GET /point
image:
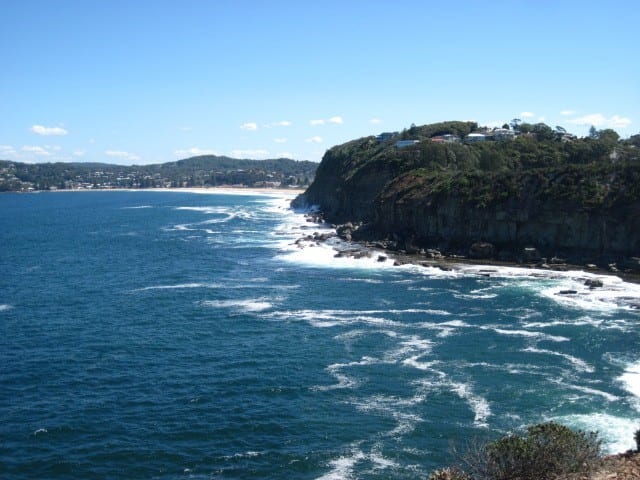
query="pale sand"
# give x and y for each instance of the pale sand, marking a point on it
(232, 190)
(206, 190)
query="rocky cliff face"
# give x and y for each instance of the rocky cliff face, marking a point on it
(344, 191)
(556, 227)
(577, 211)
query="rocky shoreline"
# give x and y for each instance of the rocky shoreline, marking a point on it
(622, 466)
(353, 245)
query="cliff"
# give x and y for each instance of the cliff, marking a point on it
(577, 198)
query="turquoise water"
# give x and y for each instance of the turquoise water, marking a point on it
(184, 335)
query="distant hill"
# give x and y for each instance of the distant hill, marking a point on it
(450, 185)
(206, 170)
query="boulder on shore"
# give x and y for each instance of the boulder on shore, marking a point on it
(593, 283)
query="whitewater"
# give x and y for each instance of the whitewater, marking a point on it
(190, 335)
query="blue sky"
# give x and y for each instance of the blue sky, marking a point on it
(151, 81)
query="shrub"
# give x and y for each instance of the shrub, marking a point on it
(448, 473)
(636, 436)
(546, 451)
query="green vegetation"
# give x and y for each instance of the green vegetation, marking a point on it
(540, 147)
(580, 170)
(546, 451)
(590, 186)
(199, 171)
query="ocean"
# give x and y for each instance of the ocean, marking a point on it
(169, 334)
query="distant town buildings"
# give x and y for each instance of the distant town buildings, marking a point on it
(19, 177)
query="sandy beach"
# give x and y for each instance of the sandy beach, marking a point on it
(203, 190)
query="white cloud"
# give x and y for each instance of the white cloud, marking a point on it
(79, 153)
(599, 120)
(7, 150)
(541, 119)
(619, 122)
(257, 153)
(315, 139)
(121, 154)
(280, 140)
(282, 123)
(194, 152)
(527, 114)
(36, 150)
(185, 129)
(336, 120)
(566, 113)
(48, 131)
(375, 121)
(284, 155)
(249, 126)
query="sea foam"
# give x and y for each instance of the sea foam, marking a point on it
(579, 364)
(616, 432)
(630, 379)
(248, 306)
(526, 334)
(179, 286)
(343, 467)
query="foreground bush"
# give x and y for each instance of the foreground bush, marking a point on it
(545, 452)
(449, 473)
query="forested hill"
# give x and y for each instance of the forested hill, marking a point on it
(206, 170)
(451, 185)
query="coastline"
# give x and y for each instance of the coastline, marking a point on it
(221, 190)
(447, 262)
(565, 267)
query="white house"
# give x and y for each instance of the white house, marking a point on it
(406, 143)
(475, 137)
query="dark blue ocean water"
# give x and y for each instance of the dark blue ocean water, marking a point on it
(181, 335)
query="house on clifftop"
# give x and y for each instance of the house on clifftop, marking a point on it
(406, 143)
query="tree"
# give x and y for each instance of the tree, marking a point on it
(505, 126)
(609, 136)
(525, 127)
(593, 133)
(515, 123)
(543, 131)
(634, 140)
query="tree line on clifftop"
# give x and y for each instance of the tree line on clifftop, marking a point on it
(536, 146)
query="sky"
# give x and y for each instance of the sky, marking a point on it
(153, 81)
